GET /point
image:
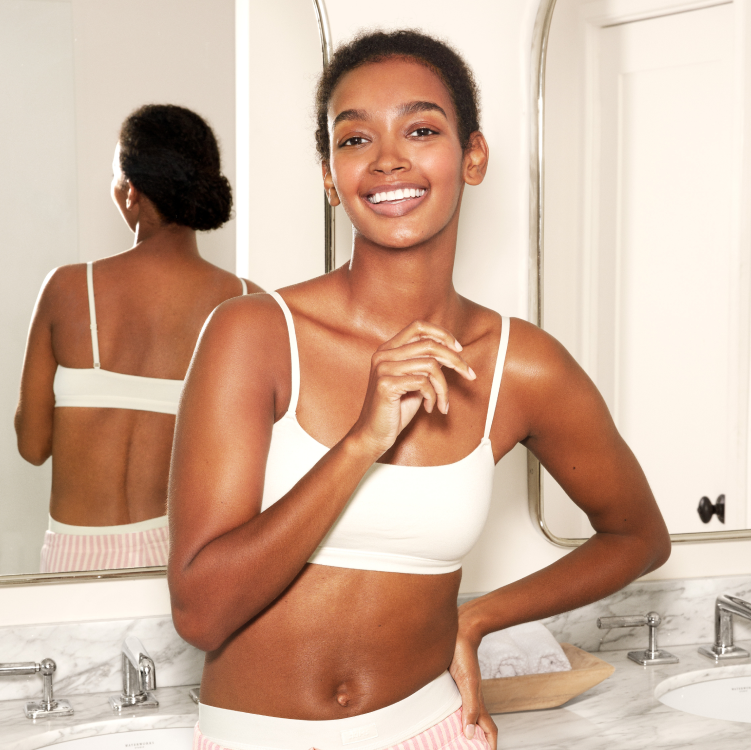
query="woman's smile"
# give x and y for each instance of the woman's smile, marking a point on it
(397, 199)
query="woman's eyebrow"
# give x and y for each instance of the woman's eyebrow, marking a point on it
(409, 108)
(412, 108)
(351, 114)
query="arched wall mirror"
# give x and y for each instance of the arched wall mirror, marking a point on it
(73, 70)
(641, 249)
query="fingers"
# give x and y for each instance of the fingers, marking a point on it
(425, 348)
(435, 389)
(422, 330)
(396, 386)
(486, 723)
(470, 714)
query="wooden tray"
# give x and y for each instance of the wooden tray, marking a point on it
(533, 691)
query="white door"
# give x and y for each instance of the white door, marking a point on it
(663, 261)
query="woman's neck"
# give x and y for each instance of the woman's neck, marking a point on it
(166, 239)
(394, 287)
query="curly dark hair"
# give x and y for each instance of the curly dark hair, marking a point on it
(170, 154)
(376, 46)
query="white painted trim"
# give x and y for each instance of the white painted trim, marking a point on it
(242, 137)
(602, 13)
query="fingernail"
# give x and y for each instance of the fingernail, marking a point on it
(447, 408)
(458, 346)
(469, 731)
(472, 373)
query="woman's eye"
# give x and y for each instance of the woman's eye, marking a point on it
(355, 140)
(422, 132)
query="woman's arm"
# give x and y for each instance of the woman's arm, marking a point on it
(36, 403)
(560, 416)
(229, 560)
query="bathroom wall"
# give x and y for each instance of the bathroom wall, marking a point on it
(492, 268)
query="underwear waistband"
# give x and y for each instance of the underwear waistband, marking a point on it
(125, 528)
(237, 730)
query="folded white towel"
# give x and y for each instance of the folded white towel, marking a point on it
(523, 649)
(499, 656)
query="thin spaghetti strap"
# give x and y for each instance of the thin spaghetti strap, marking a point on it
(92, 314)
(295, 357)
(245, 287)
(498, 374)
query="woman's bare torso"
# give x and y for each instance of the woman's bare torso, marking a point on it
(341, 642)
(111, 466)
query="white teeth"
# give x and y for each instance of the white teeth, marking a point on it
(396, 195)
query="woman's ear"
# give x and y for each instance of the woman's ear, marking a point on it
(132, 197)
(328, 185)
(476, 159)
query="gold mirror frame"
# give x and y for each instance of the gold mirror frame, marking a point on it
(535, 471)
(26, 579)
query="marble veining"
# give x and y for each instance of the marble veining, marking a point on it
(686, 607)
(621, 713)
(93, 717)
(88, 655)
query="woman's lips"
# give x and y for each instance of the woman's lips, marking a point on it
(396, 206)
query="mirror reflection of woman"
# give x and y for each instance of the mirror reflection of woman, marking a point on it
(323, 493)
(110, 343)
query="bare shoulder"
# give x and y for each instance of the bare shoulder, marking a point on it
(253, 320)
(534, 355)
(244, 346)
(63, 288)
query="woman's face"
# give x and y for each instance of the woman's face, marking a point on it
(396, 161)
(119, 190)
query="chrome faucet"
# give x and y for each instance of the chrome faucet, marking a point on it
(651, 655)
(725, 607)
(139, 676)
(48, 706)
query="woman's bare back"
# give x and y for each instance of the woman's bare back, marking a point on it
(111, 465)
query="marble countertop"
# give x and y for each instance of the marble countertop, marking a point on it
(622, 713)
(618, 714)
(93, 716)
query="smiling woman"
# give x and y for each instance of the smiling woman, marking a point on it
(323, 494)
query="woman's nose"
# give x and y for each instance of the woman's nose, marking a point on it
(390, 158)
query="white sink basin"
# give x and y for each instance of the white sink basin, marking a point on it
(719, 693)
(176, 738)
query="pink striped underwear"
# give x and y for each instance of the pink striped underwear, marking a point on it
(133, 545)
(429, 719)
(446, 735)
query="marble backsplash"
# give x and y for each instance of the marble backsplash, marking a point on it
(88, 653)
(685, 605)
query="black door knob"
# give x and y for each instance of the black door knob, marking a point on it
(706, 509)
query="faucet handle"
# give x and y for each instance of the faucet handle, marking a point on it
(139, 677)
(628, 621)
(651, 655)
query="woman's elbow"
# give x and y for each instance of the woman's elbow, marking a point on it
(34, 445)
(662, 551)
(197, 629)
(34, 452)
(194, 617)
(659, 546)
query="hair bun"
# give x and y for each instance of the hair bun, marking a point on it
(171, 155)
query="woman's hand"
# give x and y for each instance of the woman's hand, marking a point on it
(465, 669)
(404, 373)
